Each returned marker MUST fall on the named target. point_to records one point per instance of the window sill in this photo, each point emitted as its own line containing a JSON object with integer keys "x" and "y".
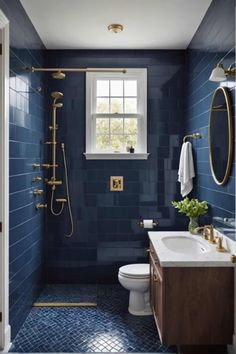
{"x": 116, "y": 156}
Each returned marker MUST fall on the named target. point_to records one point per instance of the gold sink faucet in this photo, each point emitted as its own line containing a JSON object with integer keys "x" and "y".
{"x": 211, "y": 237}
{"x": 208, "y": 233}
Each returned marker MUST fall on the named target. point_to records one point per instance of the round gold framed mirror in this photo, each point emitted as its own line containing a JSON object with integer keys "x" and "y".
{"x": 221, "y": 136}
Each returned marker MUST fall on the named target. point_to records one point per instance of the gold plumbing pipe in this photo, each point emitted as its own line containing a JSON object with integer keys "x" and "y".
{"x": 80, "y": 70}
{"x": 54, "y": 146}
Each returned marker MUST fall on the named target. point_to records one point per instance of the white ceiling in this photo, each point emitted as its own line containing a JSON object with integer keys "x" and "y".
{"x": 148, "y": 24}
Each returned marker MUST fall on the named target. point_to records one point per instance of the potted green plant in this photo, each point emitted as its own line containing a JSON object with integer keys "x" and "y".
{"x": 193, "y": 209}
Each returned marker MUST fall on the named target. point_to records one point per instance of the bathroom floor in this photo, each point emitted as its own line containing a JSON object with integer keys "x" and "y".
{"x": 105, "y": 328}
{"x": 68, "y": 293}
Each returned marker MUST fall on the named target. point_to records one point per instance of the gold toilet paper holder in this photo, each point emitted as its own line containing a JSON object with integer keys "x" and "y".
{"x": 154, "y": 224}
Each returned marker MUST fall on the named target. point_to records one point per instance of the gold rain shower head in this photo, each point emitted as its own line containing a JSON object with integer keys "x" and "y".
{"x": 58, "y": 75}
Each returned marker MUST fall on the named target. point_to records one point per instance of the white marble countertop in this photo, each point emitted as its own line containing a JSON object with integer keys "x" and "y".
{"x": 210, "y": 258}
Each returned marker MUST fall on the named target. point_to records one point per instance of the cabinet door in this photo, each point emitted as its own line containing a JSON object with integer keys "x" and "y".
{"x": 156, "y": 294}
{"x": 157, "y": 301}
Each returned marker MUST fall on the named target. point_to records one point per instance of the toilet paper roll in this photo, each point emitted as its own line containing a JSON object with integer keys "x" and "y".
{"x": 148, "y": 224}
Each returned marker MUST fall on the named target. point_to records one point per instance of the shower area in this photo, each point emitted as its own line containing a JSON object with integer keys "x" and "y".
{"x": 66, "y": 281}
{"x": 71, "y": 250}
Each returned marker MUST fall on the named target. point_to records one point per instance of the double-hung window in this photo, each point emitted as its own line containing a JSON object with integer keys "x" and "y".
{"x": 116, "y": 115}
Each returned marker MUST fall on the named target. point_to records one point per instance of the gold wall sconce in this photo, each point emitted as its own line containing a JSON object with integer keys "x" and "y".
{"x": 220, "y": 74}
{"x": 116, "y": 183}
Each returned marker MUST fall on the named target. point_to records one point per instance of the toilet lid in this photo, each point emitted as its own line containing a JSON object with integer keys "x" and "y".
{"x": 139, "y": 270}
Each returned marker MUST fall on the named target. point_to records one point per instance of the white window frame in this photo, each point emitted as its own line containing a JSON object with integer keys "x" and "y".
{"x": 141, "y": 152}
{"x": 5, "y": 330}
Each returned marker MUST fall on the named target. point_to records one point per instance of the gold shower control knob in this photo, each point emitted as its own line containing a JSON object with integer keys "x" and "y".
{"x": 36, "y": 165}
{"x": 46, "y": 165}
{"x": 40, "y": 206}
{"x": 38, "y": 192}
{"x": 37, "y": 179}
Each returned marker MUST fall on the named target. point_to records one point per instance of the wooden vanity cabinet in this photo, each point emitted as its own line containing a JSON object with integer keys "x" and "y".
{"x": 192, "y": 306}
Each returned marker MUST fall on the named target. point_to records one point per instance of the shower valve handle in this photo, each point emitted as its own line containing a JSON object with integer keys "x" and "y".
{"x": 36, "y": 165}
{"x": 37, "y": 179}
{"x": 45, "y": 165}
{"x": 38, "y": 191}
{"x": 40, "y": 206}
{"x": 50, "y": 143}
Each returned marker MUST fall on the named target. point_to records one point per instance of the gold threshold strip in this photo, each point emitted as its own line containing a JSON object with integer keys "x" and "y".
{"x": 65, "y": 304}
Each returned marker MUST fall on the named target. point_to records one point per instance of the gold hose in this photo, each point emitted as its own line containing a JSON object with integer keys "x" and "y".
{"x": 51, "y": 205}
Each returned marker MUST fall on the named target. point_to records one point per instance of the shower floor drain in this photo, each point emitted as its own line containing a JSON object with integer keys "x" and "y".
{"x": 65, "y": 304}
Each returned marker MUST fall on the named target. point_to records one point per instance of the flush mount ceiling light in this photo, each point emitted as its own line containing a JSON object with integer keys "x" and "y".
{"x": 115, "y": 28}
{"x": 220, "y": 74}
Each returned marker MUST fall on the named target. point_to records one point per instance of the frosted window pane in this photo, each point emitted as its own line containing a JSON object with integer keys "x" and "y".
{"x": 130, "y": 88}
{"x": 116, "y": 126}
{"x": 130, "y": 105}
{"x": 102, "y": 105}
{"x": 116, "y": 87}
{"x": 116, "y": 105}
{"x": 102, "y": 126}
{"x": 102, "y": 142}
{"x": 103, "y": 88}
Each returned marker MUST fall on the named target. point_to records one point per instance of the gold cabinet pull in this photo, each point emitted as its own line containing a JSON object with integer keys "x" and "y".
{"x": 233, "y": 258}
{"x": 155, "y": 279}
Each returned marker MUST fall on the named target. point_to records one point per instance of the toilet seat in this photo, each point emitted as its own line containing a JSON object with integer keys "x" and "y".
{"x": 135, "y": 271}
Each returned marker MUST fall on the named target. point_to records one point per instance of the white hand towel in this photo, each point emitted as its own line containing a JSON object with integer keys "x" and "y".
{"x": 186, "y": 169}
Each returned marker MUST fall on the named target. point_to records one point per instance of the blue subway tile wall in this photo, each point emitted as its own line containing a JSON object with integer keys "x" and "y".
{"x": 213, "y": 42}
{"x": 107, "y": 232}
{"x": 26, "y": 134}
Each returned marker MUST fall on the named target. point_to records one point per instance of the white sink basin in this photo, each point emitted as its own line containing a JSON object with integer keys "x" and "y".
{"x": 185, "y": 245}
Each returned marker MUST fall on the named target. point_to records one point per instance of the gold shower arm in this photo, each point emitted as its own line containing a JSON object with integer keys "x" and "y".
{"x": 82, "y": 70}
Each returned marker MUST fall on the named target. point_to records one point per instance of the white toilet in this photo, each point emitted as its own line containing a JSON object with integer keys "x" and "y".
{"x": 136, "y": 279}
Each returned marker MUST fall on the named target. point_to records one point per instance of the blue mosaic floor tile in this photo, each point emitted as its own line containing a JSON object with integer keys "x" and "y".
{"x": 69, "y": 293}
{"x": 107, "y": 328}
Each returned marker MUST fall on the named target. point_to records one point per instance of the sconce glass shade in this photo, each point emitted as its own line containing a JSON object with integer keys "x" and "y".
{"x": 218, "y": 73}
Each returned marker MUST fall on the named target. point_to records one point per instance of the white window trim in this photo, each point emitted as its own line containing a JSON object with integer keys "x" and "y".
{"x": 90, "y": 153}
{"x": 5, "y": 330}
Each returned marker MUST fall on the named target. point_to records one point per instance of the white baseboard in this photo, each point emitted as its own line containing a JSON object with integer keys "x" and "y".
{"x": 7, "y": 340}
{"x": 232, "y": 348}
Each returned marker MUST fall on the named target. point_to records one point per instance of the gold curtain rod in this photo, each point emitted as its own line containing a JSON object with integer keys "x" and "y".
{"x": 83, "y": 70}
